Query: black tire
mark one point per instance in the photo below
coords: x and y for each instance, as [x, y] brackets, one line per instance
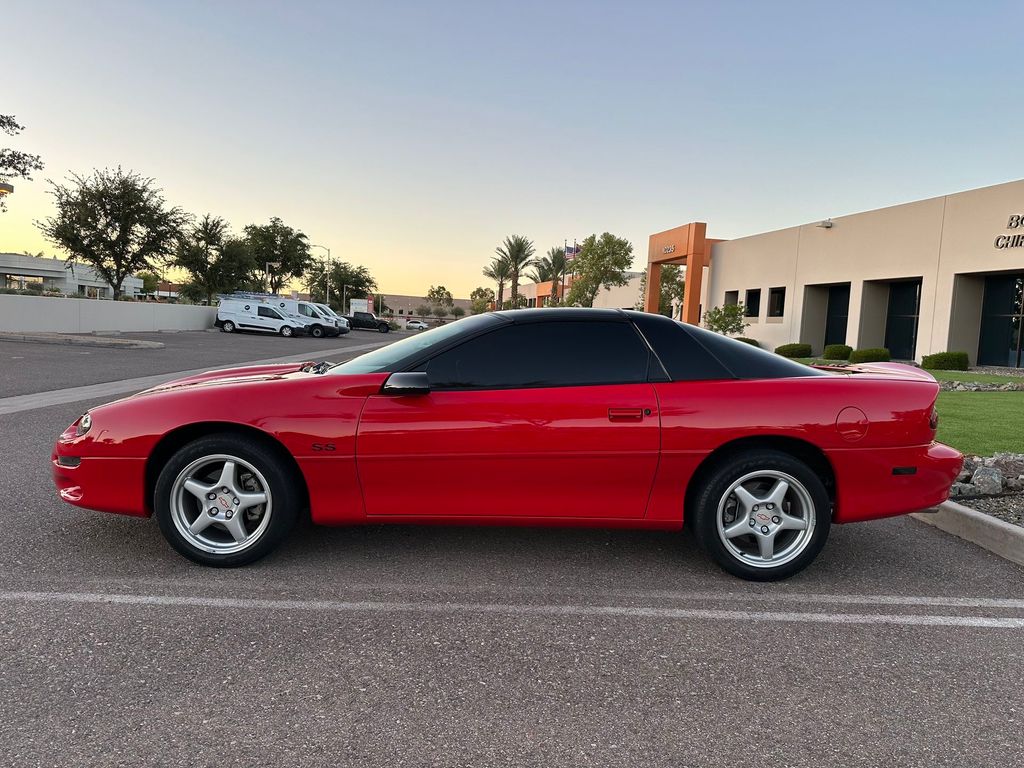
[316, 331]
[286, 331]
[383, 328]
[285, 497]
[715, 491]
[228, 327]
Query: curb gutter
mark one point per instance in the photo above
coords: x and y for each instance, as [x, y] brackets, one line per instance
[991, 533]
[81, 341]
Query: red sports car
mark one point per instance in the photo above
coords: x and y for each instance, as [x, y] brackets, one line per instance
[572, 417]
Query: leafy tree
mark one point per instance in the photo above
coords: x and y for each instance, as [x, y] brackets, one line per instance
[498, 271]
[517, 252]
[672, 287]
[346, 280]
[458, 312]
[277, 243]
[519, 302]
[215, 261]
[602, 262]
[440, 297]
[192, 293]
[481, 299]
[423, 310]
[726, 319]
[116, 222]
[150, 281]
[15, 164]
[440, 312]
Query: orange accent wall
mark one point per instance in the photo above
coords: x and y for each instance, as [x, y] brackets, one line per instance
[687, 245]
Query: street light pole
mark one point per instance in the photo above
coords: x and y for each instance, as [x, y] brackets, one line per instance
[328, 280]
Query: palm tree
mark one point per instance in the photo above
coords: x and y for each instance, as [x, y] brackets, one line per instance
[550, 267]
[518, 252]
[498, 271]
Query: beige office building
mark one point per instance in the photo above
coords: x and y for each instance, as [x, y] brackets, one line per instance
[934, 275]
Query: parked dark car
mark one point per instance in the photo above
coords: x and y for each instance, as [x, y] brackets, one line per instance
[367, 321]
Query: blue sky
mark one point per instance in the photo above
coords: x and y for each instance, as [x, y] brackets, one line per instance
[412, 137]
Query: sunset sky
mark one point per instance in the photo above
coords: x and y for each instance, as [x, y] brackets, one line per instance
[412, 137]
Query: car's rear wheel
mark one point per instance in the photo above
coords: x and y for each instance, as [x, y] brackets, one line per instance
[383, 328]
[225, 501]
[228, 327]
[286, 331]
[763, 515]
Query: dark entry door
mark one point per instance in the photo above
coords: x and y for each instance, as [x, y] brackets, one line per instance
[837, 314]
[1002, 315]
[901, 319]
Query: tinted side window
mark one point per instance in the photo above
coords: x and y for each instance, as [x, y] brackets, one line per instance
[684, 359]
[554, 354]
[267, 312]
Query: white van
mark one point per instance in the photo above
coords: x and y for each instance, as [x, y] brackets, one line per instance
[342, 323]
[320, 323]
[255, 314]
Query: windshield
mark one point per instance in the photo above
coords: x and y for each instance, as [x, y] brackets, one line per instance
[327, 311]
[393, 355]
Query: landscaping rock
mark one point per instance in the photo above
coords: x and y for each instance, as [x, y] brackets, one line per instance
[1010, 464]
[987, 480]
[961, 489]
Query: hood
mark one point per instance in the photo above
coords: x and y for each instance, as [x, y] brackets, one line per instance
[248, 373]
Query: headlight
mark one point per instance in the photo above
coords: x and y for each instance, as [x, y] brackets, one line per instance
[84, 424]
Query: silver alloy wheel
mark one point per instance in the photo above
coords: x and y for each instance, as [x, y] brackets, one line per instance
[766, 518]
[228, 326]
[221, 504]
[286, 330]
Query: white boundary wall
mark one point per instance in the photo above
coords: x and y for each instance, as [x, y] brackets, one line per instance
[36, 314]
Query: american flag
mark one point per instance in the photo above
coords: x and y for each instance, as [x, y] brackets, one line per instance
[572, 251]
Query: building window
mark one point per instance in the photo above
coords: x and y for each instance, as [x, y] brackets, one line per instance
[732, 298]
[401, 311]
[776, 302]
[752, 306]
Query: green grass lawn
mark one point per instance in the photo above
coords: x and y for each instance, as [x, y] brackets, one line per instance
[982, 422]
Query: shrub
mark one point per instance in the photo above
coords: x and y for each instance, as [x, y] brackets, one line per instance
[794, 350]
[946, 361]
[748, 340]
[837, 352]
[726, 320]
[870, 355]
[36, 288]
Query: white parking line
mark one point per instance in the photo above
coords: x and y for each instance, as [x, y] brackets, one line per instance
[333, 606]
[111, 388]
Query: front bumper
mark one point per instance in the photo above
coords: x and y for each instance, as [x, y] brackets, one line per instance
[115, 485]
[883, 482]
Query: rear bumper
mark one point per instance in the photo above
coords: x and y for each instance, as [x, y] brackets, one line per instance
[883, 482]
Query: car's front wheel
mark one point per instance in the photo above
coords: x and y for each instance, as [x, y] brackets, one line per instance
[228, 327]
[286, 331]
[383, 328]
[316, 331]
[225, 501]
[763, 515]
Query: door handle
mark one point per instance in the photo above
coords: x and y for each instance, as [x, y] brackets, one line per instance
[625, 414]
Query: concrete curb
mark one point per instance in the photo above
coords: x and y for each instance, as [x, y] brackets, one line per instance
[80, 341]
[991, 533]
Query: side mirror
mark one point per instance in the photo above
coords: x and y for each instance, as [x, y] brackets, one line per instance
[413, 383]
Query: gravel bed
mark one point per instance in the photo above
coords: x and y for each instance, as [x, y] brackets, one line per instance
[1008, 507]
[997, 370]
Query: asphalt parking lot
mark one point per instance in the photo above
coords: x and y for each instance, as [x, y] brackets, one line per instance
[406, 645]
